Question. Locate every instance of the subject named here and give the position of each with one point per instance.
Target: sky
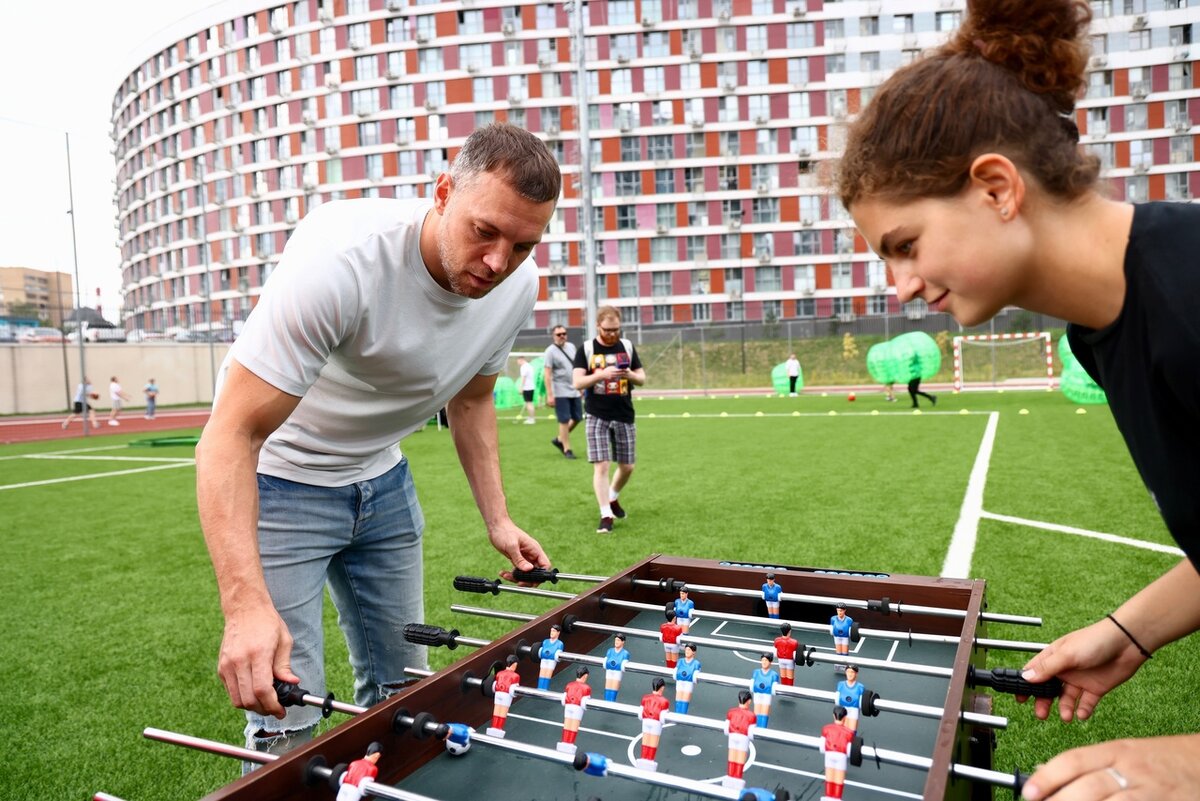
(60, 65)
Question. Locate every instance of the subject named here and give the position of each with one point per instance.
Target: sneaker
(558, 445)
(114, 422)
(618, 512)
(605, 526)
(529, 421)
(933, 399)
(569, 454)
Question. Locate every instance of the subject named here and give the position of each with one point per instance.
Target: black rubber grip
(289, 694)
(424, 634)
(1019, 780)
(1008, 680)
(476, 584)
(537, 575)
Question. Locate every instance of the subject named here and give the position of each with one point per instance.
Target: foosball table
(924, 723)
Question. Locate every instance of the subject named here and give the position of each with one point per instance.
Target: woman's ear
(998, 184)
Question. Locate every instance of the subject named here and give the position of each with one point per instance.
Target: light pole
(587, 248)
(207, 283)
(78, 299)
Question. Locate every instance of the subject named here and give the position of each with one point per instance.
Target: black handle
(1008, 680)
(423, 634)
(537, 575)
(289, 694)
(476, 584)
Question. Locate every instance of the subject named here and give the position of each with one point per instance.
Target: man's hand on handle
(256, 650)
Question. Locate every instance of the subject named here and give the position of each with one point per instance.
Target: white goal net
(1027, 357)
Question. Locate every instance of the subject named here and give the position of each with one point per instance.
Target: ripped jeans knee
(274, 742)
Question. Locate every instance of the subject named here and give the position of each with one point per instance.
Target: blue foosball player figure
(548, 653)
(840, 626)
(684, 609)
(850, 694)
(762, 685)
(614, 667)
(685, 677)
(771, 593)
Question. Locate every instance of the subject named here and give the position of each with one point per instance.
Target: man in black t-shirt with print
(608, 368)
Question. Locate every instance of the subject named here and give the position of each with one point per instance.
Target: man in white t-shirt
(559, 369)
(380, 313)
(793, 373)
(117, 397)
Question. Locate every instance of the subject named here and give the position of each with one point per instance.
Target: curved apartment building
(709, 125)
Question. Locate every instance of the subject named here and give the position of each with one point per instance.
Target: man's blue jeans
(364, 541)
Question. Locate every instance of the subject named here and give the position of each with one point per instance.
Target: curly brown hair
(1006, 82)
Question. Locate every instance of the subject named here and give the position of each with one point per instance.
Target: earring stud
(1004, 212)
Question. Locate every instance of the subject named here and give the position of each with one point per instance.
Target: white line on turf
(73, 450)
(53, 457)
(93, 475)
(966, 530)
(1083, 532)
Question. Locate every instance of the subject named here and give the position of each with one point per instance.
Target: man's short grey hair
(523, 160)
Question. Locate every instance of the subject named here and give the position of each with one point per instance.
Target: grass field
(112, 622)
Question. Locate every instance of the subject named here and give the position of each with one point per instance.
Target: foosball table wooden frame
(450, 697)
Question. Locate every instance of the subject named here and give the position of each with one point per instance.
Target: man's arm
(548, 378)
(256, 647)
(473, 426)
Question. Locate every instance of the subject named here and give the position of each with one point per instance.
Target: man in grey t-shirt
(560, 391)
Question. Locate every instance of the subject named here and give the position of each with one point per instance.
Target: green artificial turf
(113, 625)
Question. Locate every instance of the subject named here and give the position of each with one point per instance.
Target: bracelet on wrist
(1125, 631)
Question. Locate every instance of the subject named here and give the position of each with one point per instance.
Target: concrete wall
(32, 382)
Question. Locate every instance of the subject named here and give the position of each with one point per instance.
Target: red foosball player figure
(835, 745)
(785, 651)
(739, 725)
(574, 702)
(670, 638)
(771, 593)
(651, 713)
(360, 770)
(506, 679)
(839, 627)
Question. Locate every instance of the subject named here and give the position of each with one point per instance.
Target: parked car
(41, 335)
(7, 335)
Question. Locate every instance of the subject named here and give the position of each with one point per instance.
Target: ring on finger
(1121, 781)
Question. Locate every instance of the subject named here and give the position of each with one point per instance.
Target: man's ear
(441, 192)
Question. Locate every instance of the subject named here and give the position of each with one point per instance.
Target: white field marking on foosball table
(848, 782)
(917, 710)
(897, 608)
(368, 786)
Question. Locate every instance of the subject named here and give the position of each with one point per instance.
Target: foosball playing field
(113, 622)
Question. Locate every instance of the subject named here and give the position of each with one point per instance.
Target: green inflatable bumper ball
(908, 356)
(539, 381)
(1076, 384)
(505, 394)
(779, 379)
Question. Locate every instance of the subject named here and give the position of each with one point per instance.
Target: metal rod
(83, 382)
(368, 787)
(900, 609)
(946, 639)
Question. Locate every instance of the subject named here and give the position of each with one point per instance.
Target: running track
(45, 427)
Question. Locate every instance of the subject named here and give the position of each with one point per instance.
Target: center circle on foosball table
(703, 756)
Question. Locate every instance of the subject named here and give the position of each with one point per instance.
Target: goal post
(1046, 351)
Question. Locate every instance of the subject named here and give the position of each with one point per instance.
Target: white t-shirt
(114, 390)
(527, 381)
(793, 367)
(352, 323)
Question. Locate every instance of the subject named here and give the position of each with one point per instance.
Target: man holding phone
(608, 368)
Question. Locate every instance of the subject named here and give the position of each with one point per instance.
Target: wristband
(1136, 644)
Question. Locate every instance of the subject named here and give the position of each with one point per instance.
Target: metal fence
(832, 351)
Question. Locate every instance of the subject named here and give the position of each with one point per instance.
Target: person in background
(85, 393)
(118, 398)
(793, 373)
(561, 394)
(528, 384)
(965, 174)
(608, 368)
(151, 393)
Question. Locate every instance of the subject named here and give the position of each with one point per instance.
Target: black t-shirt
(1148, 362)
(609, 400)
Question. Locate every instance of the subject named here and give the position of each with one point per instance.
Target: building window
(768, 279)
(701, 312)
(631, 148)
(663, 249)
(660, 284)
(664, 181)
(626, 218)
(842, 276)
(1177, 186)
(628, 182)
(659, 148)
(1137, 189)
(661, 314)
(877, 304)
(804, 278)
(627, 286)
